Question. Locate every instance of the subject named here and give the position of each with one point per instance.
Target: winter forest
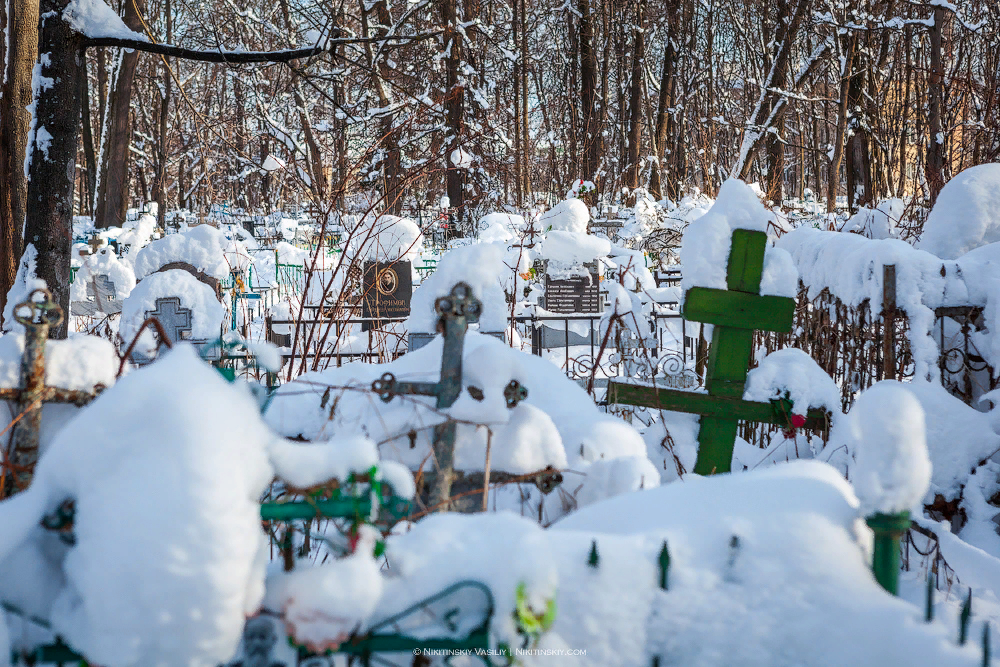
(413, 333)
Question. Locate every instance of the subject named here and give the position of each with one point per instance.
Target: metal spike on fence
(664, 566)
(986, 644)
(929, 605)
(734, 550)
(594, 559)
(963, 620)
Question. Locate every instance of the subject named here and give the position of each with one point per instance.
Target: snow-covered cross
(37, 315)
(456, 311)
(175, 319)
(735, 313)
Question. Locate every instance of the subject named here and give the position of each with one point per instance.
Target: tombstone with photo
(387, 289)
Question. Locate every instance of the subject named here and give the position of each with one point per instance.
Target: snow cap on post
(893, 470)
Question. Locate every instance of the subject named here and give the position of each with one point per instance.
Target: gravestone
(101, 289)
(575, 295)
(177, 322)
(387, 289)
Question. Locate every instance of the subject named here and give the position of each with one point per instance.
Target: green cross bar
(735, 313)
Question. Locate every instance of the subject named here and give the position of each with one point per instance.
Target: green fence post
(888, 529)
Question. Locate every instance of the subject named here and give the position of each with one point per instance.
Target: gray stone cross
(176, 320)
(102, 290)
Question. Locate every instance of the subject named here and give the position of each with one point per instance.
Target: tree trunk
(833, 177)
(392, 163)
(454, 105)
(635, 97)
(112, 190)
(15, 120)
(49, 221)
(935, 93)
(665, 101)
(591, 128)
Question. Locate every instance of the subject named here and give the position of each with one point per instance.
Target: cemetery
(544, 445)
(455, 334)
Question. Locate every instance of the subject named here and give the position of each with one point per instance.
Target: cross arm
(53, 395)
(388, 386)
(738, 309)
(774, 412)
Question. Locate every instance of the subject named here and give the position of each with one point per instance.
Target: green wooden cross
(735, 313)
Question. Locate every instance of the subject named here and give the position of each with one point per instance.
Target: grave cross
(37, 315)
(105, 298)
(176, 320)
(455, 313)
(735, 313)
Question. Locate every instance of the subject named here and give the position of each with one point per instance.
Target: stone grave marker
(576, 295)
(387, 289)
(101, 289)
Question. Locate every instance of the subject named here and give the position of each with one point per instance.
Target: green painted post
(594, 559)
(963, 620)
(986, 644)
(929, 604)
(888, 529)
(664, 562)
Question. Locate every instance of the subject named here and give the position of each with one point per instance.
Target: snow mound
(385, 238)
(206, 311)
(103, 262)
(569, 215)
(500, 227)
(892, 470)
(966, 214)
(877, 223)
(203, 247)
(573, 248)
(705, 246)
(481, 267)
(166, 470)
(138, 233)
(794, 372)
(79, 363)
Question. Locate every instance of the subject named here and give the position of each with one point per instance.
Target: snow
(195, 523)
(892, 471)
(322, 605)
(573, 248)
(103, 262)
(461, 158)
(794, 372)
(94, 18)
(569, 215)
(203, 247)
(558, 424)
(273, 163)
(137, 233)
(705, 247)
(481, 267)
(25, 282)
(207, 313)
(965, 215)
(877, 223)
(78, 363)
(384, 238)
(500, 227)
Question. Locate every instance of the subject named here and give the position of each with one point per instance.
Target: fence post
(888, 529)
(888, 321)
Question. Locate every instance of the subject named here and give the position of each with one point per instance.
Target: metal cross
(455, 312)
(175, 319)
(37, 315)
(736, 312)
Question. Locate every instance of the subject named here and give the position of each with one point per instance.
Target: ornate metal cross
(455, 313)
(37, 315)
(736, 312)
